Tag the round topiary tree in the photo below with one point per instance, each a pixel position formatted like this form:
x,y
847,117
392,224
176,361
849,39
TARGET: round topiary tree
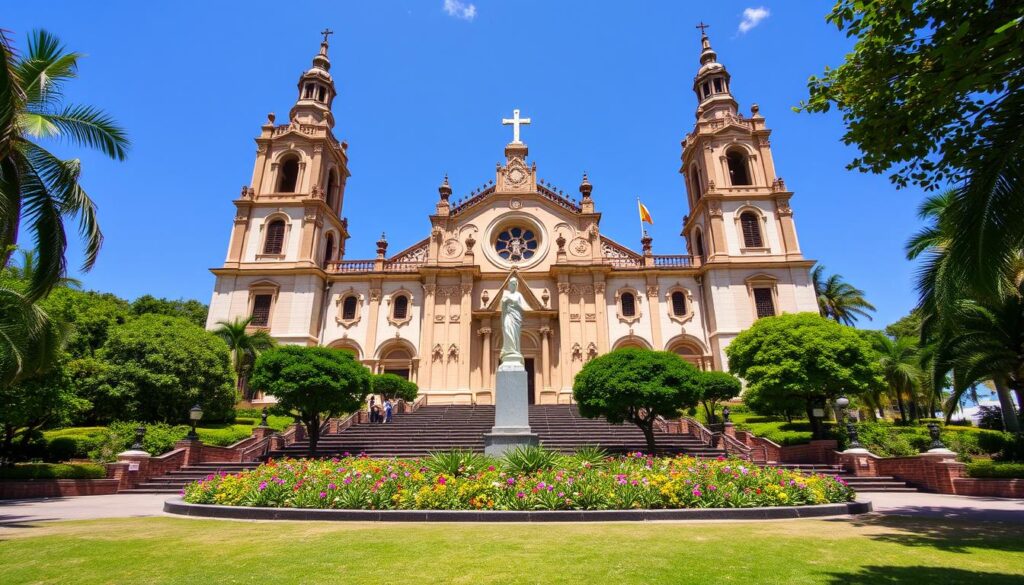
x,y
803,357
717,387
394,386
636,385
312,383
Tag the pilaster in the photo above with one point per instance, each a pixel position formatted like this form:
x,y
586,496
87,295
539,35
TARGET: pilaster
x,y
371,326
427,333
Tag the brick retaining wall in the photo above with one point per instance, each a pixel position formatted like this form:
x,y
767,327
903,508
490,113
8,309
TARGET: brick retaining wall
x,y
992,488
54,488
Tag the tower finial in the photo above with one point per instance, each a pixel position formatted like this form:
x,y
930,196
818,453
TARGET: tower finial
x,y
703,28
326,32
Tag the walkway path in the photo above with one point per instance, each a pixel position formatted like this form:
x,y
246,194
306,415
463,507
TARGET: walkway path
x,y
21,513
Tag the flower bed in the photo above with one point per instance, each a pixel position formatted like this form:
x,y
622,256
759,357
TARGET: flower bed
x,y
472,482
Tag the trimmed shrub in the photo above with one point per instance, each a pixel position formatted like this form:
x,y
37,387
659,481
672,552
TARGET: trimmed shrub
x,y
53,471
61,449
993,469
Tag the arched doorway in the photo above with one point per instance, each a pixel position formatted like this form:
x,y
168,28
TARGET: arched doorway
x,y
691,351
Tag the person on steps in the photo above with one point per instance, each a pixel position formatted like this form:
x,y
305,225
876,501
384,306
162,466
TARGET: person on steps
x,y
388,408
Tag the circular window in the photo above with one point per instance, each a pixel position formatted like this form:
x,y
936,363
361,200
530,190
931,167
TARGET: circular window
x,y
516,244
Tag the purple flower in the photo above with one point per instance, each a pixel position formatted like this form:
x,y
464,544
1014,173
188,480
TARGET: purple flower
x,y
331,486
520,495
697,492
511,481
323,495
263,485
347,480
441,480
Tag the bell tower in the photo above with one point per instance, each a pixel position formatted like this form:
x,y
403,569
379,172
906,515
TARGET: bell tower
x,y
288,232
740,228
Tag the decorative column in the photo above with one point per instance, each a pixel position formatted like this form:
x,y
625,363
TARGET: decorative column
x,y
784,214
601,308
654,304
545,356
465,330
427,333
718,243
485,358
564,337
371,327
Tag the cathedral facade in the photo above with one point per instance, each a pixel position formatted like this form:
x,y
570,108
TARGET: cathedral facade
x,y
430,312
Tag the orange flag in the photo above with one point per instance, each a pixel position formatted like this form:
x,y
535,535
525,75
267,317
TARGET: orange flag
x,y
645,216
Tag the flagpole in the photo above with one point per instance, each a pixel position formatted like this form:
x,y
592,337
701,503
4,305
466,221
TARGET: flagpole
x,y
641,215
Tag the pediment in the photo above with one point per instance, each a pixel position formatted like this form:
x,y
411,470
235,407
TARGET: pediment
x,y
532,302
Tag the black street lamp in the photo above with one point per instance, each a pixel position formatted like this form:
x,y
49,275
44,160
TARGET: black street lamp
x,y
263,417
140,435
195,414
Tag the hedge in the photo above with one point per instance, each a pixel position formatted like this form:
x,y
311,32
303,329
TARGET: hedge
x,y
993,469
53,471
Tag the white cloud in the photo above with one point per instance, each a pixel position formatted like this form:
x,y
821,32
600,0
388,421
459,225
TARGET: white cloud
x,y
751,17
460,9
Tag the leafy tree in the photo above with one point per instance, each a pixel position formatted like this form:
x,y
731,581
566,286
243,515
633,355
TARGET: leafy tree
x,y
839,300
768,404
803,356
90,314
899,361
155,368
907,326
717,387
930,86
190,309
636,385
394,386
245,348
37,189
313,383
934,91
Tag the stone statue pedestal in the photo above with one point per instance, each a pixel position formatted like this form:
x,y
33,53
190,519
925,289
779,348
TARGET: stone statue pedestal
x,y
511,412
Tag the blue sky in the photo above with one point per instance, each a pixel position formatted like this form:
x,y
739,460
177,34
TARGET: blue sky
x,y
422,88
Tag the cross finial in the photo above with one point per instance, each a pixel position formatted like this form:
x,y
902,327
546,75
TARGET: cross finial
x,y
326,32
515,121
703,28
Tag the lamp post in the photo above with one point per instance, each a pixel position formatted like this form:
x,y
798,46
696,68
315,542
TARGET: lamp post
x,y
195,414
140,435
853,440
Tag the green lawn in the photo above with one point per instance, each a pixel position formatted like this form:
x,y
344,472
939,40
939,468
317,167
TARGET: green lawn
x,y
872,551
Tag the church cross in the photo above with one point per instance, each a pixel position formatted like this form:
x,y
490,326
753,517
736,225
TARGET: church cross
x,y
515,121
326,32
703,28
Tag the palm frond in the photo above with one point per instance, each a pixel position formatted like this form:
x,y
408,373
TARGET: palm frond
x,y
89,126
45,68
12,96
42,214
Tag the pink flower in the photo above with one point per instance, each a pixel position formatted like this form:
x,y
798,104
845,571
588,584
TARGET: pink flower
x,y
441,480
490,468
331,486
520,495
263,485
511,481
696,492
323,495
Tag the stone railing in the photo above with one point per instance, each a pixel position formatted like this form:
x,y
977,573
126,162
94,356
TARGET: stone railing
x,y
673,260
350,266
402,265
624,263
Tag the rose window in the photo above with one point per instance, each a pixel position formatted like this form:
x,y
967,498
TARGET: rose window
x,y
516,244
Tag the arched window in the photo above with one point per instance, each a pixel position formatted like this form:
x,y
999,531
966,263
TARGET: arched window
x,y
751,226
628,302
695,182
274,243
307,93
348,307
698,245
288,175
400,308
678,303
323,94
261,310
328,250
738,174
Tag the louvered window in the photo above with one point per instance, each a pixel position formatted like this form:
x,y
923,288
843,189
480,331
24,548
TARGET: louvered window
x,y
700,246
275,237
751,225
628,305
401,308
348,308
764,303
678,304
261,310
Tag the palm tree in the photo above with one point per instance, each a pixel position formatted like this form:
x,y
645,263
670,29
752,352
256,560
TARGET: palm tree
x,y
839,300
899,364
38,189
245,347
984,343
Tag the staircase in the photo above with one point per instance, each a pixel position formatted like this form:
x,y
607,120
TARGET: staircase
x,y
174,481
440,428
859,484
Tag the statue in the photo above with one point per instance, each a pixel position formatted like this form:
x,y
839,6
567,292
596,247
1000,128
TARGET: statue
x,y
512,306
